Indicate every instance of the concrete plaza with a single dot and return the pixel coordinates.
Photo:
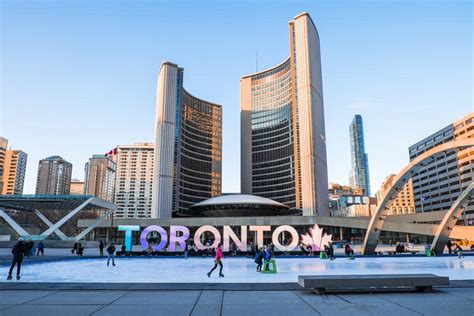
(442, 301)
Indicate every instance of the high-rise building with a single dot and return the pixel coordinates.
(100, 177)
(77, 187)
(403, 202)
(14, 171)
(188, 146)
(3, 151)
(359, 174)
(283, 139)
(134, 180)
(439, 184)
(54, 176)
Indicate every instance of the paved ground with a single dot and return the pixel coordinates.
(445, 301)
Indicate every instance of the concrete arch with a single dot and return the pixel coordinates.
(450, 219)
(377, 221)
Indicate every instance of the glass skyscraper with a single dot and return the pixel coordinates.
(359, 174)
(188, 146)
(283, 140)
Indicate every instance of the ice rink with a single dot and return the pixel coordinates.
(236, 269)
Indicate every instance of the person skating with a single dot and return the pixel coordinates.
(123, 250)
(111, 253)
(450, 246)
(40, 248)
(458, 250)
(80, 249)
(331, 252)
(217, 261)
(74, 248)
(259, 259)
(101, 248)
(18, 251)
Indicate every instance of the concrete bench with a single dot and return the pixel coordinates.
(421, 282)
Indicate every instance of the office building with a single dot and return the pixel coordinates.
(359, 174)
(54, 176)
(403, 202)
(77, 187)
(14, 170)
(3, 151)
(100, 177)
(439, 184)
(283, 139)
(134, 180)
(188, 142)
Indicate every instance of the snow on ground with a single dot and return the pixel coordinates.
(236, 269)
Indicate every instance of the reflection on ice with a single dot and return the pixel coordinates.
(236, 270)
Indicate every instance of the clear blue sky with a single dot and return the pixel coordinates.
(78, 78)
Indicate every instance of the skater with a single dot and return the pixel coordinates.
(40, 248)
(331, 252)
(259, 259)
(74, 248)
(217, 261)
(123, 250)
(186, 250)
(449, 244)
(18, 252)
(101, 248)
(149, 250)
(80, 249)
(458, 250)
(111, 253)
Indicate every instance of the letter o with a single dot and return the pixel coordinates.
(294, 238)
(202, 229)
(154, 228)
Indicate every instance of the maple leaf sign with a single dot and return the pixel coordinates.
(315, 238)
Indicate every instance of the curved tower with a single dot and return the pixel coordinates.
(283, 141)
(188, 146)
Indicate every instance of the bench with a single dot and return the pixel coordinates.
(421, 282)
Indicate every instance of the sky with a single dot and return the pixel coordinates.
(79, 77)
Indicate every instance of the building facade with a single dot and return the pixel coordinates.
(77, 187)
(100, 177)
(403, 202)
(439, 184)
(134, 180)
(54, 176)
(3, 150)
(359, 174)
(283, 139)
(14, 170)
(188, 139)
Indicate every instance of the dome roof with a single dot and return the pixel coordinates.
(236, 199)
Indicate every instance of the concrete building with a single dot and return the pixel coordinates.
(3, 150)
(440, 183)
(77, 187)
(189, 146)
(345, 201)
(404, 201)
(359, 174)
(283, 139)
(54, 176)
(100, 177)
(14, 170)
(134, 180)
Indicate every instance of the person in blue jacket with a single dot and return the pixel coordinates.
(259, 259)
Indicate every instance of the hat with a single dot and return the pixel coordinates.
(20, 239)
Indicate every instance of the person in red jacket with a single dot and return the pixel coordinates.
(217, 261)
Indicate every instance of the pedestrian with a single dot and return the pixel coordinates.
(18, 252)
(74, 248)
(449, 244)
(217, 261)
(40, 248)
(186, 250)
(101, 248)
(111, 253)
(259, 259)
(459, 252)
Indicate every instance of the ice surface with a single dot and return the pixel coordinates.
(236, 269)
